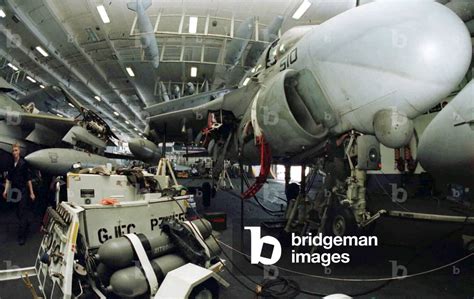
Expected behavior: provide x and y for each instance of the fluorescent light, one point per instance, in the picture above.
(97, 98)
(130, 71)
(42, 51)
(60, 115)
(135, 129)
(301, 10)
(2, 13)
(194, 71)
(140, 134)
(71, 105)
(127, 122)
(12, 66)
(31, 79)
(41, 85)
(103, 14)
(116, 113)
(246, 81)
(193, 22)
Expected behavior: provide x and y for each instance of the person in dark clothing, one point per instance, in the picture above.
(17, 188)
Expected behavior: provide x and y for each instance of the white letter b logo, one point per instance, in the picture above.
(256, 246)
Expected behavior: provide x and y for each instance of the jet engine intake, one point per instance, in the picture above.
(287, 116)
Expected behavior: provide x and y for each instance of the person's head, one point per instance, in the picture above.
(16, 151)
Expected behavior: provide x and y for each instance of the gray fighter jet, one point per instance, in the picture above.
(35, 130)
(361, 76)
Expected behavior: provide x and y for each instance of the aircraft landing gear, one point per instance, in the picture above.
(340, 206)
(342, 222)
(351, 214)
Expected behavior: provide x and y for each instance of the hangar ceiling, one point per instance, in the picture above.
(91, 57)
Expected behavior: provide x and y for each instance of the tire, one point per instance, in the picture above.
(342, 222)
(206, 194)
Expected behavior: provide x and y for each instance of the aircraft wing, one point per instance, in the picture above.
(55, 123)
(195, 117)
(175, 123)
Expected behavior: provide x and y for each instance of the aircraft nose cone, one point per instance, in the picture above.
(142, 149)
(135, 146)
(35, 159)
(43, 160)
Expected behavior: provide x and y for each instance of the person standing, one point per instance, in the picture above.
(17, 188)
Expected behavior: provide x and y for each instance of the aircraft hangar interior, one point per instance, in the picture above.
(236, 149)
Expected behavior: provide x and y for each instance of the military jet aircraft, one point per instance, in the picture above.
(35, 130)
(343, 86)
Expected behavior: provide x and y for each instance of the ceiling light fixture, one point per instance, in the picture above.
(194, 71)
(97, 98)
(42, 86)
(12, 66)
(127, 122)
(42, 51)
(135, 129)
(103, 14)
(2, 13)
(116, 113)
(193, 22)
(60, 115)
(130, 71)
(301, 9)
(71, 105)
(31, 79)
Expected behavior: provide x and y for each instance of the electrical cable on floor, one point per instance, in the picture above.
(269, 211)
(212, 251)
(386, 281)
(356, 279)
(385, 191)
(290, 288)
(286, 283)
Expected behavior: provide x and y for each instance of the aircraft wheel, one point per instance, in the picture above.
(342, 222)
(206, 194)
